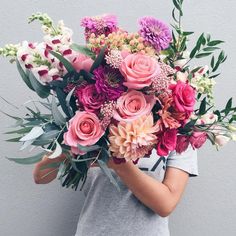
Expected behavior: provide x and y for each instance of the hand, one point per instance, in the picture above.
(112, 165)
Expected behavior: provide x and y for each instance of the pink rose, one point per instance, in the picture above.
(82, 62)
(84, 129)
(132, 105)
(167, 142)
(89, 98)
(184, 96)
(139, 70)
(182, 143)
(198, 139)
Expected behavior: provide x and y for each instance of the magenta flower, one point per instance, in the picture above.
(90, 99)
(99, 25)
(155, 32)
(109, 82)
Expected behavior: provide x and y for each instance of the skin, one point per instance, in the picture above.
(161, 197)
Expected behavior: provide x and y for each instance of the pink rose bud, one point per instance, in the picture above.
(82, 62)
(182, 143)
(198, 139)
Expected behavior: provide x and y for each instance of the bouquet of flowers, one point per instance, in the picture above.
(121, 95)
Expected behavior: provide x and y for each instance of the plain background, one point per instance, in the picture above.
(208, 207)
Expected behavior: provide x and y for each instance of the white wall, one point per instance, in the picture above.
(208, 207)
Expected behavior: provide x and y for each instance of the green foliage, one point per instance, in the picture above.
(64, 61)
(83, 49)
(99, 59)
(28, 160)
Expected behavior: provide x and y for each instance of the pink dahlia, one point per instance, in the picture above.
(109, 82)
(155, 32)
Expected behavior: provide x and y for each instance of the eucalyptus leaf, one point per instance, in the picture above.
(14, 140)
(26, 144)
(28, 160)
(61, 95)
(24, 76)
(42, 90)
(88, 148)
(58, 117)
(33, 134)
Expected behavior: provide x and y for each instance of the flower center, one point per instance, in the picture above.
(86, 127)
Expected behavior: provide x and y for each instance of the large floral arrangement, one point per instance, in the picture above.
(120, 96)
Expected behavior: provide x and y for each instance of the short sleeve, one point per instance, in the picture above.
(186, 161)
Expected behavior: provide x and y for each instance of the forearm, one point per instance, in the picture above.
(152, 193)
(43, 174)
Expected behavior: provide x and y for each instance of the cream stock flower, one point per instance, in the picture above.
(132, 140)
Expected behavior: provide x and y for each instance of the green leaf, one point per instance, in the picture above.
(212, 62)
(13, 117)
(187, 33)
(58, 117)
(62, 100)
(178, 6)
(42, 90)
(23, 75)
(88, 148)
(210, 49)
(20, 131)
(83, 49)
(68, 98)
(217, 112)
(214, 43)
(64, 61)
(28, 160)
(202, 109)
(33, 134)
(201, 55)
(87, 76)
(228, 106)
(98, 60)
(14, 140)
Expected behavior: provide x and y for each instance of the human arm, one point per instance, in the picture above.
(161, 197)
(44, 176)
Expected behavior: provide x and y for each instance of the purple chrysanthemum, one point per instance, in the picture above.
(99, 25)
(109, 81)
(155, 32)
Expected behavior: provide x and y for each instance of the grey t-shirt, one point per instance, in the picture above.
(108, 212)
